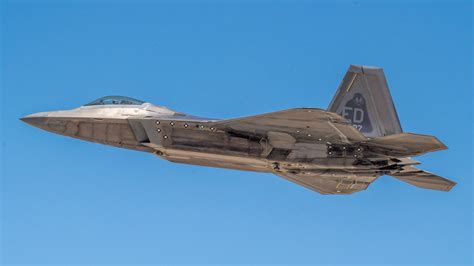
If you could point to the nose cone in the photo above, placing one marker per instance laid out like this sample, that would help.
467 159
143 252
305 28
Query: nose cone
36 120
49 121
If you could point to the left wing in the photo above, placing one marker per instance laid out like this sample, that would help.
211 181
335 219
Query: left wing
327 184
301 123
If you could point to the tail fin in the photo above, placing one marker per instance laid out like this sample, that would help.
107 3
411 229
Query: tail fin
363 98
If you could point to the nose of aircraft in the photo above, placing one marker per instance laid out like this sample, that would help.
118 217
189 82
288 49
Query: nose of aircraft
36 120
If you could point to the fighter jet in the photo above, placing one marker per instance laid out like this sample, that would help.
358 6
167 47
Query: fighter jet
340 150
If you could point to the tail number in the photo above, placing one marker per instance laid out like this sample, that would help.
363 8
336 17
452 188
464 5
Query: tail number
355 115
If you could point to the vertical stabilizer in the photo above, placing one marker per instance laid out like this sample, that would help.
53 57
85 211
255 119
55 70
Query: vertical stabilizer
363 98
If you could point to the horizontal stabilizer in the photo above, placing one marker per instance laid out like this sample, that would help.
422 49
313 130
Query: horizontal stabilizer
424 179
406 144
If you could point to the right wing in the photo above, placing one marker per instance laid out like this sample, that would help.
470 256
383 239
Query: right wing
301 123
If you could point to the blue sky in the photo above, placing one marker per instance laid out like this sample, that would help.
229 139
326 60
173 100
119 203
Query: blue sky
68 201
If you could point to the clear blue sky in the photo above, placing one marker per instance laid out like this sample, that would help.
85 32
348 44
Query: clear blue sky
68 201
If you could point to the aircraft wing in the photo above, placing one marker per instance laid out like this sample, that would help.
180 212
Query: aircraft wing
424 179
325 184
301 123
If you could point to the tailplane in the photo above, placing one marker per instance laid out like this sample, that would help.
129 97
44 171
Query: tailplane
405 144
363 98
424 179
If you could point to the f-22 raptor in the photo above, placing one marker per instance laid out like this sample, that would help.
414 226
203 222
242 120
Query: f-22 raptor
340 150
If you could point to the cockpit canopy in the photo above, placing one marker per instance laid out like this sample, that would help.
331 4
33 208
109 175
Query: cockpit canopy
115 100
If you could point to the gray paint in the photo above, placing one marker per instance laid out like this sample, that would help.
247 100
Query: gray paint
321 150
